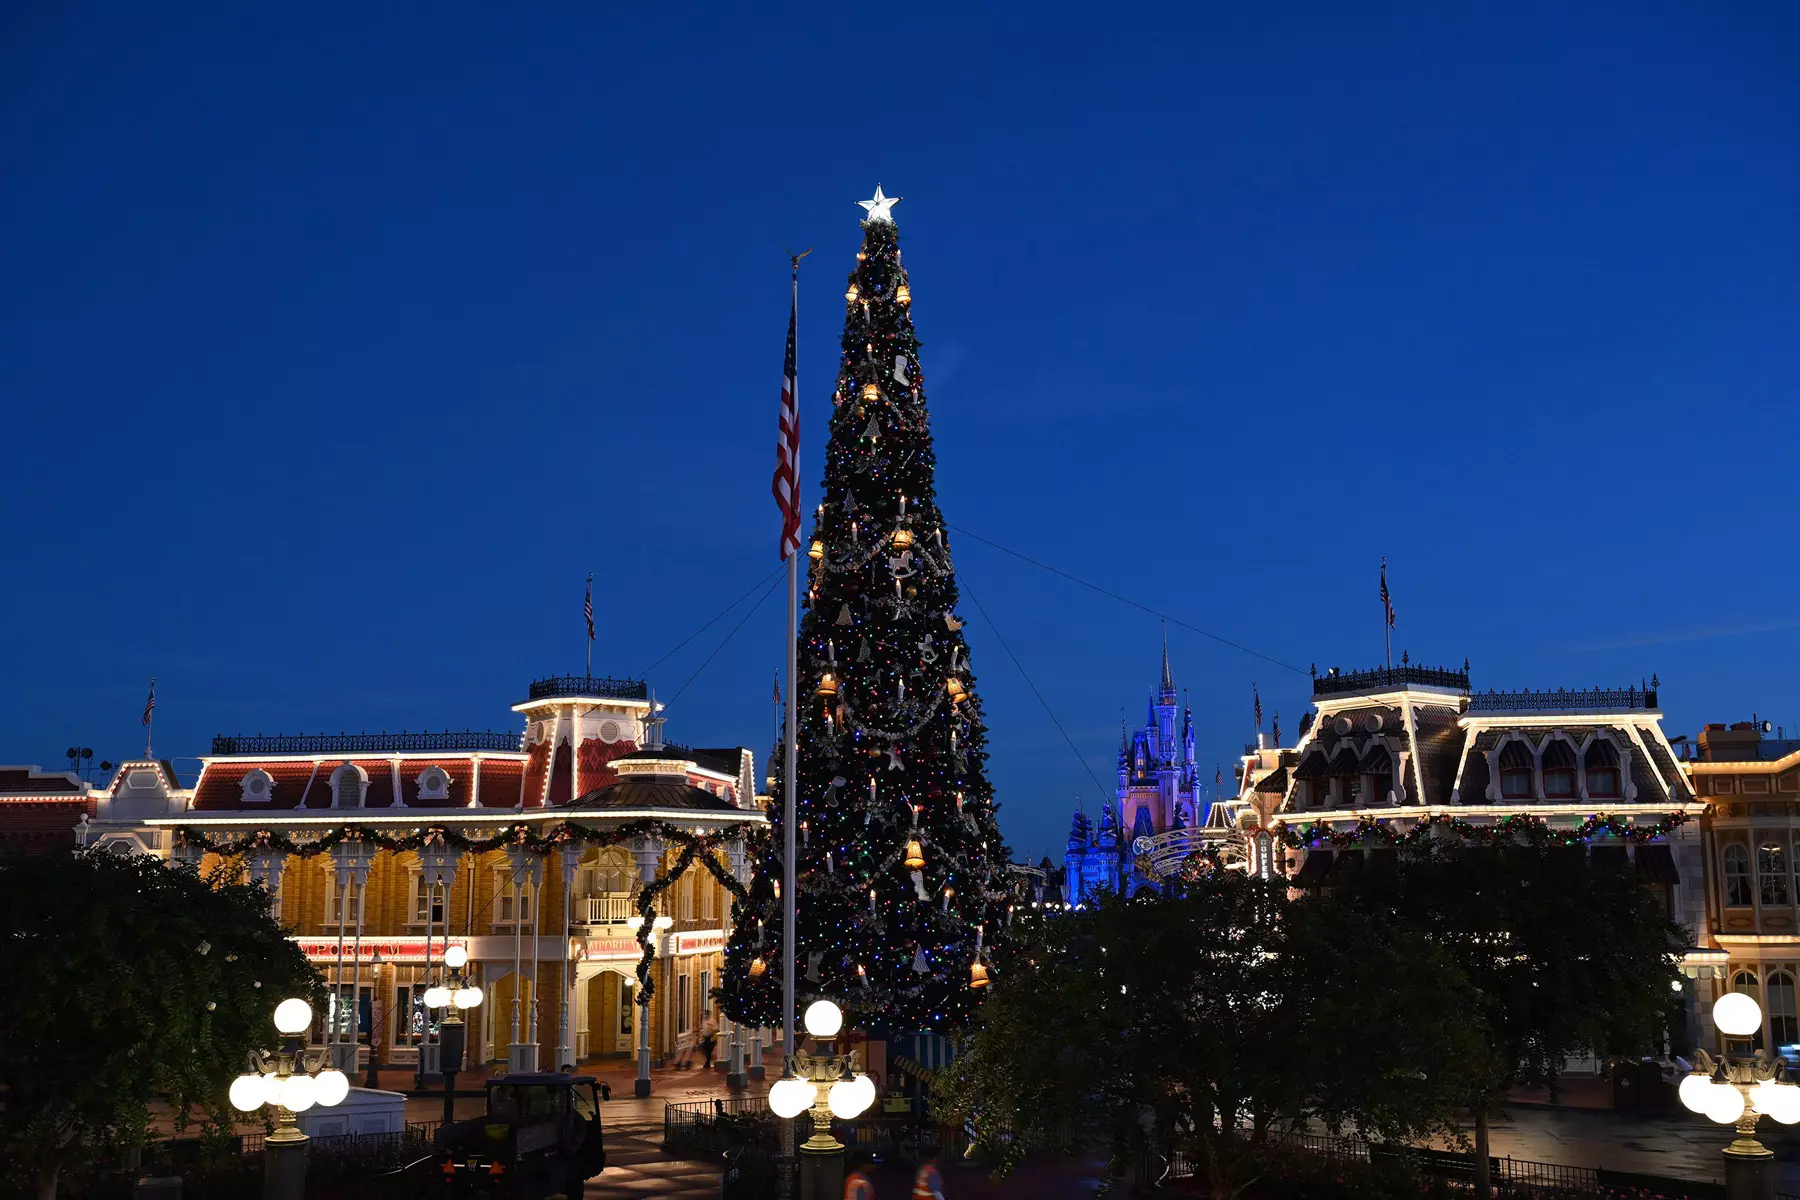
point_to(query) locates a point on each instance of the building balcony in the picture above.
(612, 909)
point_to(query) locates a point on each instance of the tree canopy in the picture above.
(1223, 1012)
(130, 981)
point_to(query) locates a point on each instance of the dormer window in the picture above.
(1515, 771)
(256, 786)
(1559, 770)
(349, 786)
(1602, 765)
(434, 785)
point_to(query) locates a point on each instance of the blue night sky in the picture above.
(337, 346)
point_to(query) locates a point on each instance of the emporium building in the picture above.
(530, 849)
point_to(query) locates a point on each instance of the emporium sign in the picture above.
(610, 947)
(390, 949)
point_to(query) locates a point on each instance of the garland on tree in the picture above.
(900, 866)
(517, 837)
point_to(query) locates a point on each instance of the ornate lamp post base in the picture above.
(284, 1165)
(1747, 1164)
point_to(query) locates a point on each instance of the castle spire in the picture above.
(1168, 676)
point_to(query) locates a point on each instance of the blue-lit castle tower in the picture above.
(1158, 790)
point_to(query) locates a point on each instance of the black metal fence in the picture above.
(1515, 1178)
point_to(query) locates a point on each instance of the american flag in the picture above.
(587, 606)
(787, 447)
(1257, 697)
(150, 704)
(1387, 601)
(778, 690)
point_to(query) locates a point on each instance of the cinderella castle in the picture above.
(1159, 790)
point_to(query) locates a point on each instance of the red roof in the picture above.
(41, 826)
(501, 780)
(30, 782)
(301, 785)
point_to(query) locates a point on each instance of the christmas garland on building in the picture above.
(1529, 826)
(521, 837)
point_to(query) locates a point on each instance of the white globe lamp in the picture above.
(330, 1086)
(845, 1099)
(1737, 1015)
(866, 1087)
(437, 996)
(468, 997)
(248, 1092)
(790, 1097)
(824, 1019)
(1693, 1091)
(293, 1016)
(298, 1093)
(456, 958)
(1724, 1103)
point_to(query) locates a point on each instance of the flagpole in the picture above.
(150, 720)
(590, 627)
(790, 749)
(1387, 620)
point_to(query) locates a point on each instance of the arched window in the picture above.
(1515, 770)
(1784, 1027)
(1559, 770)
(1771, 869)
(1737, 877)
(1602, 764)
(349, 785)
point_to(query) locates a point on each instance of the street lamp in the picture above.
(1739, 1089)
(289, 1080)
(827, 1083)
(458, 995)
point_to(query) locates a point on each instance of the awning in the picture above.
(1656, 864)
(1314, 869)
(1378, 761)
(1313, 767)
(1274, 783)
(1343, 762)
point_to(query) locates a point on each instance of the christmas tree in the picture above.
(900, 865)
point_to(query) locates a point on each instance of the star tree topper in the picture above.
(881, 208)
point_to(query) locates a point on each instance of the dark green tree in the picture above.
(892, 745)
(130, 982)
(1562, 957)
(1217, 1016)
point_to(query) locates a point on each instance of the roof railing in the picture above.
(1629, 699)
(365, 743)
(1335, 682)
(553, 686)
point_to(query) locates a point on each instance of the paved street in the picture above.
(1686, 1147)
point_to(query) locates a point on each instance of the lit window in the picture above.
(1602, 764)
(1515, 771)
(428, 901)
(1784, 1028)
(1771, 868)
(1737, 877)
(1559, 770)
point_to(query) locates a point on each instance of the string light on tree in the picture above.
(893, 750)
